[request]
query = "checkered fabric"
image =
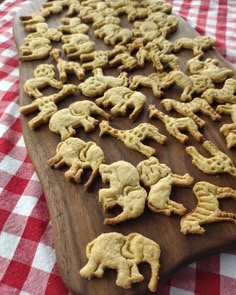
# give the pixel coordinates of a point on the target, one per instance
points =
(27, 257)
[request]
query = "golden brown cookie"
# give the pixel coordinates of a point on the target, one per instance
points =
(121, 99)
(174, 126)
(46, 105)
(78, 114)
(226, 94)
(99, 83)
(78, 155)
(189, 109)
(190, 84)
(65, 67)
(44, 75)
(207, 209)
(160, 179)
(133, 138)
(219, 162)
(124, 191)
(198, 45)
(122, 253)
(73, 25)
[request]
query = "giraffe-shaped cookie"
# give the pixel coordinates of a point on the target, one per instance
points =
(208, 209)
(67, 67)
(160, 179)
(189, 109)
(219, 162)
(133, 138)
(175, 125)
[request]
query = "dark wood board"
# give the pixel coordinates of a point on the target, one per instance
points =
(76, 215)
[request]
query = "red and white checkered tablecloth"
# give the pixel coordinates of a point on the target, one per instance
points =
(27, 257)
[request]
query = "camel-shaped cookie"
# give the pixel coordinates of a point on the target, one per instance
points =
(104, 20)
(46, 105)
(122, 253)
(133, 138)
(147, 30)
(197, 45)
(67, 67)
(226, 94)
(219, 162)
(99, 83)
(124, 191)
(121, 99)
(189, 109)
(113, 34)
(174, 126)
(228, 130)
(35, 48)
(209, 67)
(76, 44)
(207, 209)
(190, 84)
(65, 121)
(78, 155)
(152, 81)
(160, 179)
(167, 23)
(44, 75)
(73, 25)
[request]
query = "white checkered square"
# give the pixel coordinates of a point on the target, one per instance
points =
(227, 265)
(45, 258)
(176, 291)
(8, 244)
(4, 85)
(13, 109)
(8, 53)
(3, 129)
(25, 205)
(10, 165)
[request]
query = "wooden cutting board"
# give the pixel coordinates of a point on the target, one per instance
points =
(76, 215)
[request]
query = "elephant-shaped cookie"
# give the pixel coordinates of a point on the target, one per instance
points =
(78, 155)
(78, 114)
(124, 191)
(122, 253)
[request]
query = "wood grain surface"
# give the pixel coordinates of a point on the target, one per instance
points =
(76, 215)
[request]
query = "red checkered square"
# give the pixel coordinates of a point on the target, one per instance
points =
(55, 286)
(34, 229)
(36, 282)
(16, 274)
(4, 214)
(207, 283)
(17, 184)
(25, 251)
(4, 263)
(8, 200)
(40, 211)
(15, 224)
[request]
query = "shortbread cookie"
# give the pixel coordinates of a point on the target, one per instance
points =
(167, 23)
(208, 209)
(78, 155)
(152, 81)
(121, 99)
(190, 84)
(65, 67)
(122, 253)
(219, 162)
(34, 18)
(97, 85)
(73, 26)
(124, 191)
(104, 20)
(42, 30)
(133, 138)
(189, 109)
(78, 114)
(126, 61)
(76, 44)
(44, 75)
(198, 45)
(160, 179)
(73, 8)
(147, 30)
(95, 59)
(46, 105)
(174, 126)
(113, 34)
(209, 67)
(35, 48)
(224, 95)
